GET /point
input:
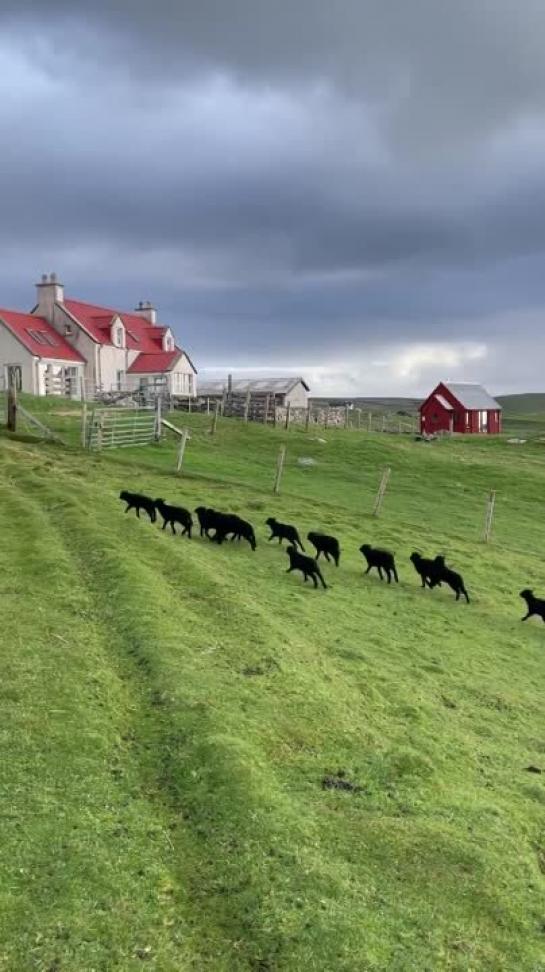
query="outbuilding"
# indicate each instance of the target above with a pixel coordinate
(460, 407)
(291, 390)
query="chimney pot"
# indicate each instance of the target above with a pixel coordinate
(53, 277)
(44, 278)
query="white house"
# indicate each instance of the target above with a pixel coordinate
(64, 340)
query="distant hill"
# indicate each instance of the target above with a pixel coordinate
(531, 403)
(409, 405)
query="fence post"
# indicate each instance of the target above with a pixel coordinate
(181, 449)
(12, 408)
(207, 406)
(215, 419)
(84, 424)
(369, 421)
(158, 418)
(287, 422)
(247, 405)
(381, 491)
(100, 428)
(358, 418)
(279, 468)
(384, 423)
(489, 516)
(346, 416)
(307, 417)
(326, 418)
(266, 412)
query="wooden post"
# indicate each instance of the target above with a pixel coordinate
(287, 422)
(381, 491)
(84, 424)
(189, 404)
(274, 410)
(157, 434)
(346, 416)
(247, 405)
(307, 417)
(326, 418)
(279, 468)
(181, 450)
(369, 421)
(215, 419)
(207, 406)
(12, 408)
(223, 403)
(489, 516)
(266, 412)
(100, 429)
(384, 423)
(358, 418)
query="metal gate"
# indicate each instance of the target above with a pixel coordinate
(115, 428)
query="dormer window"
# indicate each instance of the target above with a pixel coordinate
(118, 334)
(168, 342)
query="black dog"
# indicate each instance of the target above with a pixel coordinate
(175, 514)
(329, 546)
(534, 605)
(383, 560)
(307, 565)
(284, 531)
(135, 501)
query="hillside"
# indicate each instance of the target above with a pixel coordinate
(171, 707)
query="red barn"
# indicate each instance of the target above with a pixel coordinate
(460, 407)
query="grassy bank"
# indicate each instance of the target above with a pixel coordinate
(171, 707)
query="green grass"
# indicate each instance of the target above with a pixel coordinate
(170, 708)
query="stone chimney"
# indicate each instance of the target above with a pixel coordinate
(50, 291)
(147, 311)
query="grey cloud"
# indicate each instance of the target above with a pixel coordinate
(285, 181)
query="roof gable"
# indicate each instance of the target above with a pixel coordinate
(38, 336)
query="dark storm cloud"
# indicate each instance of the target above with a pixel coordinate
(296, 183)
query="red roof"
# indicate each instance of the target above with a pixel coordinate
(152, 363)
(141, 335)
(39, 337)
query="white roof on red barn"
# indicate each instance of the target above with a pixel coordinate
(472, 396)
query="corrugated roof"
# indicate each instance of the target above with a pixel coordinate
(472, 396)
(39, 337)
(258, 386)
(442, 401)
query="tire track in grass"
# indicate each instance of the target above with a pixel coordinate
(252, 862)
(86, 855)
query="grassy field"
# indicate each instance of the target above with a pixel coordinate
(170, 707)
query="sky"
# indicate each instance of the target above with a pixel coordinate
(352, 191)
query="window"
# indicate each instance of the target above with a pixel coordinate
(119, 337)
(68, 330)
(49, 339)
(38, 336)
